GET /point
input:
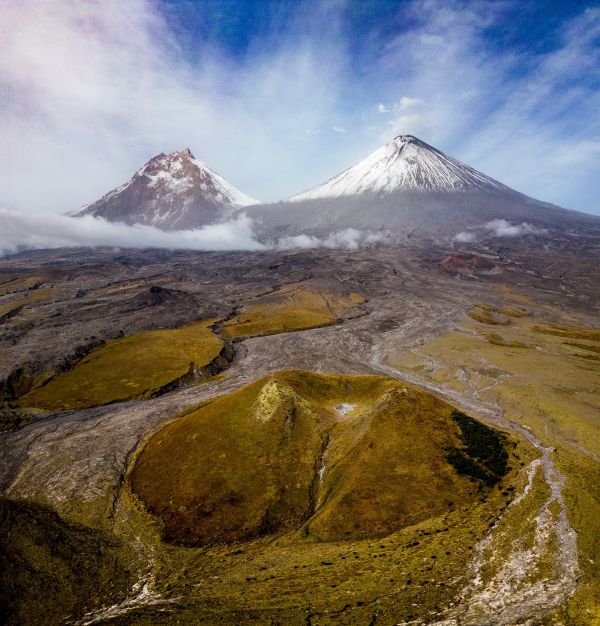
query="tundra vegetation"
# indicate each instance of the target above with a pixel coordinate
(294, 307)
(274, 493)
(545, 375)
(277, 456)
(136, 366)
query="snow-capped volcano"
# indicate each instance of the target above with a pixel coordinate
(404, 164)
(172, 191)
(410, 188)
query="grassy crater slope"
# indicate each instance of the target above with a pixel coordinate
(546, 376)
(294, 307)
(331, 457)
(136, 366)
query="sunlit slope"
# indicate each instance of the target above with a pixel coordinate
(294, 307)
(332, 457)
(136, 366)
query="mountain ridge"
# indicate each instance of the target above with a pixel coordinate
(405, 187)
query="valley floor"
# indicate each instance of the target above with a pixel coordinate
(517, 348)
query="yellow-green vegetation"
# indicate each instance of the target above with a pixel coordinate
(497, 340)
(486, 314)
(136, 366)
(410, 574)
(38, 295)
(12, 284)
(570, 332)
(120, 288)
(551, 385)
(294, 307)
(286, 486)
(332, 457)
(513, 311)
(50, 568)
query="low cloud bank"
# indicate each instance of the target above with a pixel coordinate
(498, 228)
(349, 238)
(465, 237)
(22, 231)
(502, 228)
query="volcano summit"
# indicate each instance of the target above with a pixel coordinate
(173, 191)
(407, 186)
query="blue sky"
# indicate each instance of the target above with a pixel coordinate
(278, 96)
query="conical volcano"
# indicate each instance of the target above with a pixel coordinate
(407, 187)
(172, 191)
(404, 164)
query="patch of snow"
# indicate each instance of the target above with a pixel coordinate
(229, 192)
(345, 408)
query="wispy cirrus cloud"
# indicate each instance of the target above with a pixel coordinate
(92, 90)
(528, 117)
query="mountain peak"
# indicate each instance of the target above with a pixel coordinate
(402, 140)
(406, 164)
(173, 190)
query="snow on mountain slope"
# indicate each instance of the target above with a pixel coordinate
(171, 191)
(410, 189)
(404, 164)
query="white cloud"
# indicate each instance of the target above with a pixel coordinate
(378, 237)
(464, 237)
(529, 119)
(407, 103)
(411, 124)
(303, 242)
(503, 228)
(349, 238)
(92, 90)
(338, 129)
(49, 230)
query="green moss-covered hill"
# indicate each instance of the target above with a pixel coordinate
(328, 456)
(136, 366)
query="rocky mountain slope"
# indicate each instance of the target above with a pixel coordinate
(173, 191)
